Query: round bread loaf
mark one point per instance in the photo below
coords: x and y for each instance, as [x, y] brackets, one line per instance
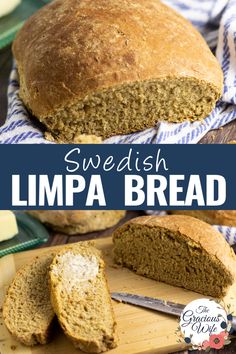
[113, 67]
[178, 250]
[214, 217]
[74, 222]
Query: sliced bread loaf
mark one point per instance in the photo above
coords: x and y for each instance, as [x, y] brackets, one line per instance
[81, 299]
[106, 75]
[178, 250]
[27, 310]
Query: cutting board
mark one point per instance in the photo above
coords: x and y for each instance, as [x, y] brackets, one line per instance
[139, 330]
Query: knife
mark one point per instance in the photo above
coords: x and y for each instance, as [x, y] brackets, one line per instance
[168, 307]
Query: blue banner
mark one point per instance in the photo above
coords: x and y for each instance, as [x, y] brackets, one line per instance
[155, 177]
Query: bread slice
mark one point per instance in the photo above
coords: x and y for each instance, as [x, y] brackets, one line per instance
[178, 250]
[107, 76]
[214, 217]
[81, 299]
[27, 310]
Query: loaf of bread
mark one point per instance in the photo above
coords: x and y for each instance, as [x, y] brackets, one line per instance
[113, 67]
[27, 310]
[214, 217]
[74, 222]
[81, 298]
[178, 250]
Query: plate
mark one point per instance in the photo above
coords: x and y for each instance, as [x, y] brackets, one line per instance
[31, 233]
[11, 23]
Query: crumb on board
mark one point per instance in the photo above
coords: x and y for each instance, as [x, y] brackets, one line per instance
[13, 347]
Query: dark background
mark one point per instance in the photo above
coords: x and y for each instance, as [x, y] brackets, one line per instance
[5, 67]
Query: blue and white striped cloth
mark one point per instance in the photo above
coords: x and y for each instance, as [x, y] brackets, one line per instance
[216, 20]
[228, 232]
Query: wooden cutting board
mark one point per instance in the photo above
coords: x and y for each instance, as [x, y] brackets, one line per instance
[139, 330]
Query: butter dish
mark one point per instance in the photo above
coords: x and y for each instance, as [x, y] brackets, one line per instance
[31, 233]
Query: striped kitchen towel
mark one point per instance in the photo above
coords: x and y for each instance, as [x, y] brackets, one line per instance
[228, 232]
[216, 20]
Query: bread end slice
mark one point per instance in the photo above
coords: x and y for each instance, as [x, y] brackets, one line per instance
[81, 299]
[27, 311]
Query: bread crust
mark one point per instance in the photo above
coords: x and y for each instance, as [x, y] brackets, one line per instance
[214, 217]
[70, 49]
[193, 229]
[78, 221]
[41, 334]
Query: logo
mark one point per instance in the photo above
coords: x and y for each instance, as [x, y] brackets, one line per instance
[205, 324]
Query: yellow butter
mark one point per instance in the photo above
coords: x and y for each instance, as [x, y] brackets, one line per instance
[8, 225]
[7, 6]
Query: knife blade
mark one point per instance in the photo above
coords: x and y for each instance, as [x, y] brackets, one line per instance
[169, 307]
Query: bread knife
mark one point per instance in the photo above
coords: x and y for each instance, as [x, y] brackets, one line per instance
[167, 307]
